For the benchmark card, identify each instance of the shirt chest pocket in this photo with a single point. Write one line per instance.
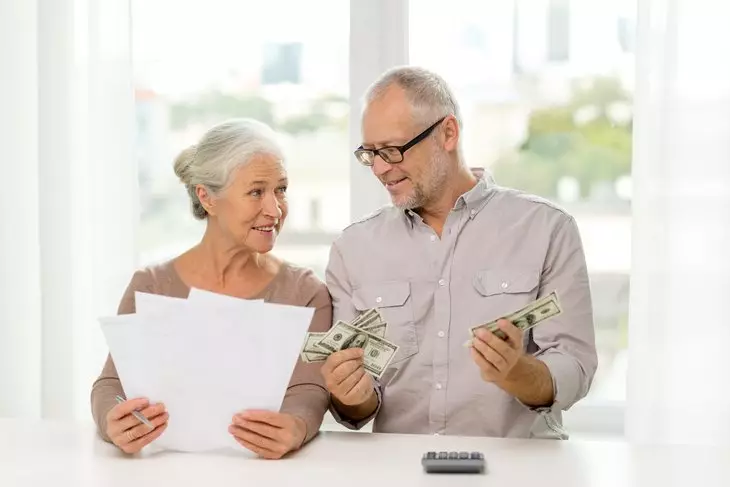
(496, 282)
(393, 301)
(501, 291)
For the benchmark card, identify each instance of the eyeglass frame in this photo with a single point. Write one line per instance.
(400, 148)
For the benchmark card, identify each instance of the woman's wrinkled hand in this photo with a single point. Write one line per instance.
(269, 434)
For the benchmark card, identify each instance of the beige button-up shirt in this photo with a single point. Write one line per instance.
(499, 250)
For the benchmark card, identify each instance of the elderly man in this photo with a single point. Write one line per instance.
(453, 251)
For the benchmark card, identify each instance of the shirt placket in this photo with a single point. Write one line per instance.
(442, 320)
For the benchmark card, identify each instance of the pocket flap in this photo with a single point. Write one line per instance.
(381, 295)
(506, 281)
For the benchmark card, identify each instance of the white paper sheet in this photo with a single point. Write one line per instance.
(147, 304)
(206, 359)
(215, 300)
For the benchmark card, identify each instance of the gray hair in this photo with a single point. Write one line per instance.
(223, 149)
(428, 93)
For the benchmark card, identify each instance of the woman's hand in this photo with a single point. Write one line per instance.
(268, 434)
(129, 433)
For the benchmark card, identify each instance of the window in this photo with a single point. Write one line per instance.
(625, 30)
(199, 62)
(560, 132)
(558, 30)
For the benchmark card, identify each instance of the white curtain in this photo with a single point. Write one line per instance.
(679, 331)
(69, 213)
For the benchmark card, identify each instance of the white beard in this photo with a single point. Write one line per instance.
(422, 194)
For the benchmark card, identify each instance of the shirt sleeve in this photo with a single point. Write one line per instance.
(307, 396)
(567, 342)
(343, 309)
(107, 386)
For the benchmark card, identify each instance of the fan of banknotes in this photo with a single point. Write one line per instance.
(526, 317)
(367, 331)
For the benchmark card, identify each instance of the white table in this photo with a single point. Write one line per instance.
(54, 454)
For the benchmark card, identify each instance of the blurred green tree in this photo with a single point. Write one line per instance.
(588, 138)
(215, 106)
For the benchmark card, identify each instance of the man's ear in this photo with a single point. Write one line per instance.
(451, 133)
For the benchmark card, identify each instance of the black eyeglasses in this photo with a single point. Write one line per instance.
(392, 154)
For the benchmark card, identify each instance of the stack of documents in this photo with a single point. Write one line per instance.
(206, 358)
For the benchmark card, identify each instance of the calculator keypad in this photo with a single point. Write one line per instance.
(453, 462)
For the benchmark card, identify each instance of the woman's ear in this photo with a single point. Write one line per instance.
(205, 198)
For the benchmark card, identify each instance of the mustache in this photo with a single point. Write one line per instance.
(392, 179)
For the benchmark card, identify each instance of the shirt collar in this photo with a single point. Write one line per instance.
(473, 200)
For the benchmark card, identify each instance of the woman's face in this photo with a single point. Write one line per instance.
(252, 209)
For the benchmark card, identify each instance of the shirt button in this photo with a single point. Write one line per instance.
(473, 212)
(505, 285)
(378, 299)
(441, 334)
(433, 238)
(442, 282)
(438, 386)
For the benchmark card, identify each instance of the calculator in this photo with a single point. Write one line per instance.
(453, 462)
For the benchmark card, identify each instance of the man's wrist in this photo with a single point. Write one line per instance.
(520, 373)
(360, 411)
(530, 381)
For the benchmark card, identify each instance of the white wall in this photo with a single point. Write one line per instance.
(67, 246)
(20, 314)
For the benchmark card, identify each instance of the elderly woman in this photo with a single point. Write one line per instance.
(237, 184)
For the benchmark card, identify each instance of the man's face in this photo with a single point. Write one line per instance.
(420, 177)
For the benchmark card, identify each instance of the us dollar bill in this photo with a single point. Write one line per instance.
(310, 344)
(370, 318)
(313, 357)
(378, 329)
(379, 352)
(526, 317)
(310, 351)
(373, 322)
(366, 315)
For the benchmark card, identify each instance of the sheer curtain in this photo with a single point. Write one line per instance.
(69, 196)
(679, 371)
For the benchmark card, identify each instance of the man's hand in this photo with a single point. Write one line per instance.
(496, 358)
(129, 433)
(504, 363)
(346, 379)
(270, 435)
(352, 388)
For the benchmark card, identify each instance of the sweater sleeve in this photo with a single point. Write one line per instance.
(108, 385)
(307, 396)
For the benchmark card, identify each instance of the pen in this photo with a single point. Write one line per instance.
(136, 414)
